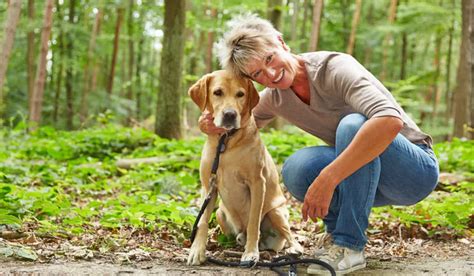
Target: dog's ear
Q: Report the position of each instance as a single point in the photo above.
(198, 91)
(254, 97)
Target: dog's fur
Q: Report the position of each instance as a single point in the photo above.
(247, 179)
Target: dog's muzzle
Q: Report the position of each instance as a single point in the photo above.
(229, 118)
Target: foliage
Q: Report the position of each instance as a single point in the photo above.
(417, 25)
(457, 155)
(68, 182)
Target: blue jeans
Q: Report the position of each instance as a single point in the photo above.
(403, 174)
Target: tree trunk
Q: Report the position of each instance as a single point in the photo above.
(110, 82)
(368, 47)
(403, 63)
(355, 22)
(344, 5)
(435, 87)
(70, 69)
(168, 121)
(89, 67)
(461, 92)
(10, 28)
(471, 92)
(294, 21)
(37, 97)
(131, 63)
(138, 78)
(448, 95)
(317, 12)
(210, 40)
(57, 93)
(303, 35)
(274, 13)
(388, 38)
(30, 52)
(96, 62)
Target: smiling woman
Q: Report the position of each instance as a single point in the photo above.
(376, 156)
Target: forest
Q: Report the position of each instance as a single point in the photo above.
(99, 144)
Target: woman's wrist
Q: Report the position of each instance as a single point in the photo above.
(328, 175)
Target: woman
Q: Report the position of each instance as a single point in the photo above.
(376, 155)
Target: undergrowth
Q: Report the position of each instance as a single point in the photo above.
(68, 182)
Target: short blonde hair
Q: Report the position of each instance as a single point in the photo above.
(248, 38)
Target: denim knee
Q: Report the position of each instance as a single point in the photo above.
(293, 177)
(348, 128)
(301, 168)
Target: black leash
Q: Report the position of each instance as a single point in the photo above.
(276, 262)
(212, 181)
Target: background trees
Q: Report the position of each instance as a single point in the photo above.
(115, 56)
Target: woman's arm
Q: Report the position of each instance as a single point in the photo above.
(370, 141)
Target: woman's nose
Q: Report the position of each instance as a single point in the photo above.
(271, 72)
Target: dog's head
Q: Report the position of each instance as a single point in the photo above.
(227, 97)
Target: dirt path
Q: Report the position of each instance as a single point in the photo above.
(428, 266)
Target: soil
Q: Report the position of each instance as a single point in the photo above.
(427, 266)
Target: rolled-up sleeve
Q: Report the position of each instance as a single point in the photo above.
(352, 81)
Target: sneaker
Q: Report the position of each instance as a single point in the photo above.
(323, 242)
(343, 260)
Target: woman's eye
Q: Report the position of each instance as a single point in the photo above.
(240, 94)
(256, 74)
(218, 92)
(268, 59)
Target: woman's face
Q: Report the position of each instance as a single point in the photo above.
(273, 70)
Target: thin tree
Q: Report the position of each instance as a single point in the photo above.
(118, 25)
(388, 38)
(10, 29)
(59, 78)
(317, 12)
(168, 113)
(210, 38)
(37, 97)
(274, 13)
(138, 69)
(436, 92)
(461, 92)
(131, 62)
(448, 94)
(471, 92)
(30, 51)
(84, 109)
(368, 48)
(70, 69)
(294, 20)
(304, 44)
(355, 22)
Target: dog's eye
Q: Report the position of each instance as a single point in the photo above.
(218, 92)
(240, 94)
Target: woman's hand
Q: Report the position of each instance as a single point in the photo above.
(206, 124)
(318, 198)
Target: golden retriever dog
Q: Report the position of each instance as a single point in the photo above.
(252, 205)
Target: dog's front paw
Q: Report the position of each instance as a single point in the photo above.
(250, 257)
(197, 255)
(295, 249)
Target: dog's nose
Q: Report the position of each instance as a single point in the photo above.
(229, 115)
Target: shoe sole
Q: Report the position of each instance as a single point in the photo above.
(322, 271)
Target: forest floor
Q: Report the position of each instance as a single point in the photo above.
(389, 255)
